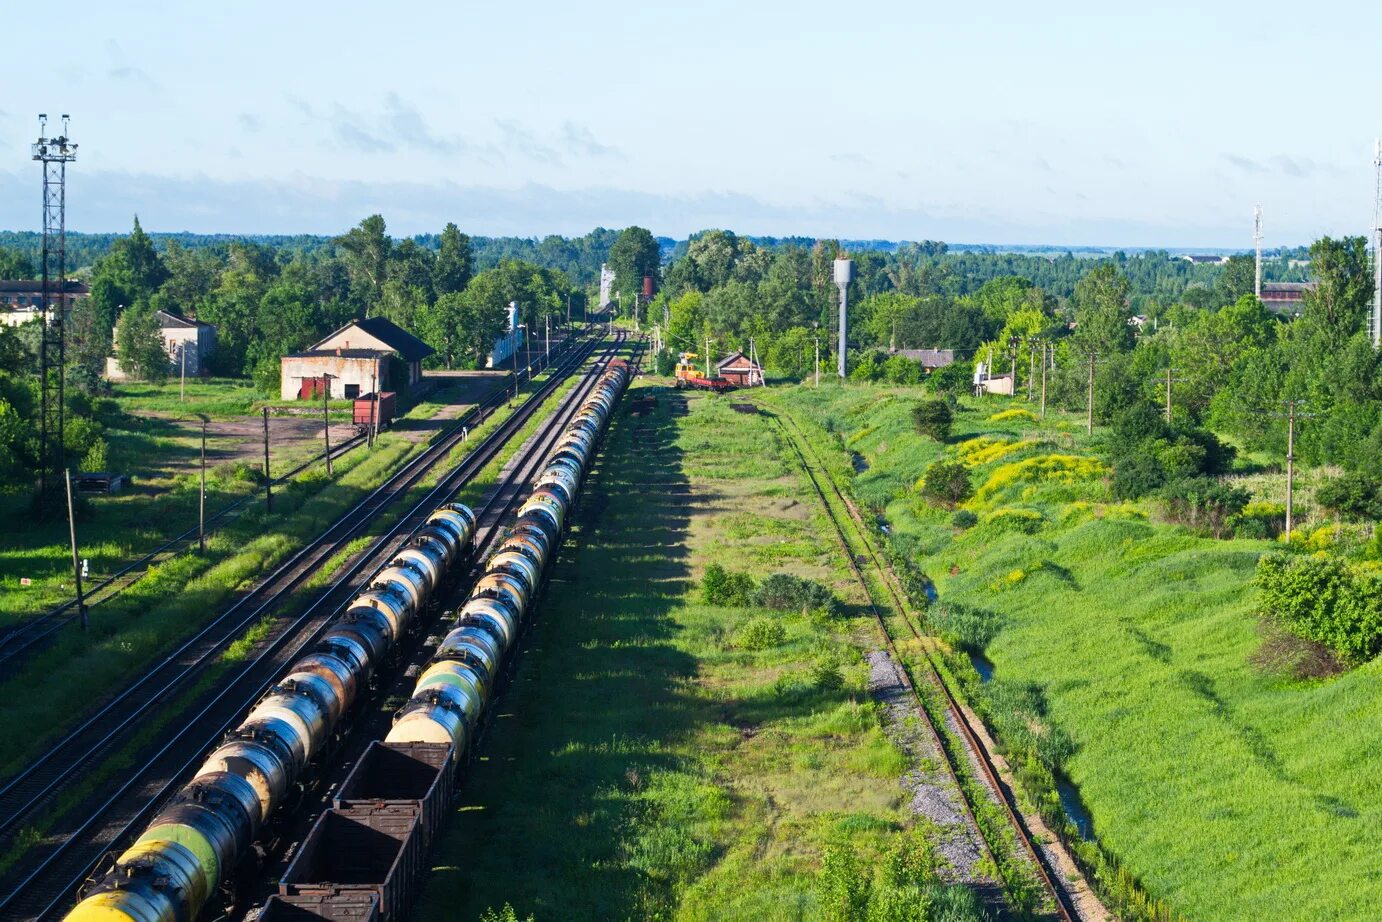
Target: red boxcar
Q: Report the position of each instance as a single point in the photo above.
(365, 408)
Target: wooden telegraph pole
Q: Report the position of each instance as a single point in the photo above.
(1089, 423)
(1044, 365)
(326, 420)
(1031, 371)
(1167, 380)
(268, 481)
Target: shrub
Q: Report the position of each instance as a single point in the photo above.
(1022, 521)
(964, 626)
(96, 458)
(783, 591)
(842, 886)
(1352, 496)
(1137, 424)
(899, 369)
(507, 914)
(1203, 503)
(1066, 470)
(868, 368)
(954, 380)
(946, 482)
(933, 418)
(1259, 520)
(827, 677)
(726, 587)
(1015, 413)
(1136, 475)
(964, 519)
(1325, 600)
(761, 634)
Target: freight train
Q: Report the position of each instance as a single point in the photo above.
(191, 847)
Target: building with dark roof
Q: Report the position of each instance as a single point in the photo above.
(739, 370)
(360, 357)
(21, 300)
(929, 359)
(1286, 297)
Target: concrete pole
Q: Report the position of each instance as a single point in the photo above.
(1290, 465)
(326, 421)
(182, 379)
(1043, 379)
(76, 564)
(818, 361)
(1090, 420)
(201, 503)
(1168, 396)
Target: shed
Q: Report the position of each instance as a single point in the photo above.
(355, 360)
(929, 359)
(741, 371)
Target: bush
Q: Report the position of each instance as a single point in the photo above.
(933, 418)
(1137, 424)
(899, 369)
(782, 591)
(946, 482)
(964, 519)
(760, 634)
(1325, 600)
(1004, 416)
(1022, 521)
(964, 626)
(726, 587)
(1136, 475)
(1352, 496)
(954, 380)
(869, 368)
(1203, 503)
(842, 887)
(507, 914)
(827, 677)
(1259, 520)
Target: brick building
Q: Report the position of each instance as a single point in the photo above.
(363, 355)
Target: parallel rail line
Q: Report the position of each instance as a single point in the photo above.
(42, 626)
(45, 779)
(1064, 906)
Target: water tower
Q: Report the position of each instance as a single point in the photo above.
(844, 274)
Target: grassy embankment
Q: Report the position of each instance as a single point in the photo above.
(179, 595)
(1122, 654)
(658, 757)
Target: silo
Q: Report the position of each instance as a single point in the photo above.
(844, 274)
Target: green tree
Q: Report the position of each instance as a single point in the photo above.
(933, 418)
(367, 248)
(141, 348)
(1337, 306)
(1237, 278)
(15, 265)
(1101, 311)
(455, 262)
(634, 255)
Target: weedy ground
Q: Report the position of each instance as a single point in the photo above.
(1231, 793)
(657, 757)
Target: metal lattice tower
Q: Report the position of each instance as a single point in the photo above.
(54, 154)
(1257, 244)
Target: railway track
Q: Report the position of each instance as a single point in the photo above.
(492, 521)
(1063, 906)
(58, 864)
(42, 628)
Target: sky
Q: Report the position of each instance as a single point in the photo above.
(1152, 124)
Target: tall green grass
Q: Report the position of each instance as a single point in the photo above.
(1231, 794)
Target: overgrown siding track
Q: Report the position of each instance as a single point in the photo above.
(1061, 904)
(52, 869)
(25, 638)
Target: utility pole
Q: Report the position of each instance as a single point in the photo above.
(76, 564)
(1290, 465)
(818, 361)
(326, 420)
(1377, 251)
(182, 379)
(1089, 425)
(372, 432)
(547, 337)
(1257, 245)
(707, 358)
(1044, 347)
(268, 481)
(54, 154)
(1031, 370)
(201, 501)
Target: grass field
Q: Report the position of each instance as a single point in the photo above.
(1230, 793)
(658, 757)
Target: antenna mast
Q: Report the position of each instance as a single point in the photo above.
(1257, 243)
(54, 154)
(1377, 250)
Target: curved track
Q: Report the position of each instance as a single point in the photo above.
(1063, 905)
(63, 860)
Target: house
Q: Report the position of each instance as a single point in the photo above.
(739, 370)
(929, 359)
(21, 300)
(1285, 297)
(184, 339)
(505, 346)
(360, 357)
